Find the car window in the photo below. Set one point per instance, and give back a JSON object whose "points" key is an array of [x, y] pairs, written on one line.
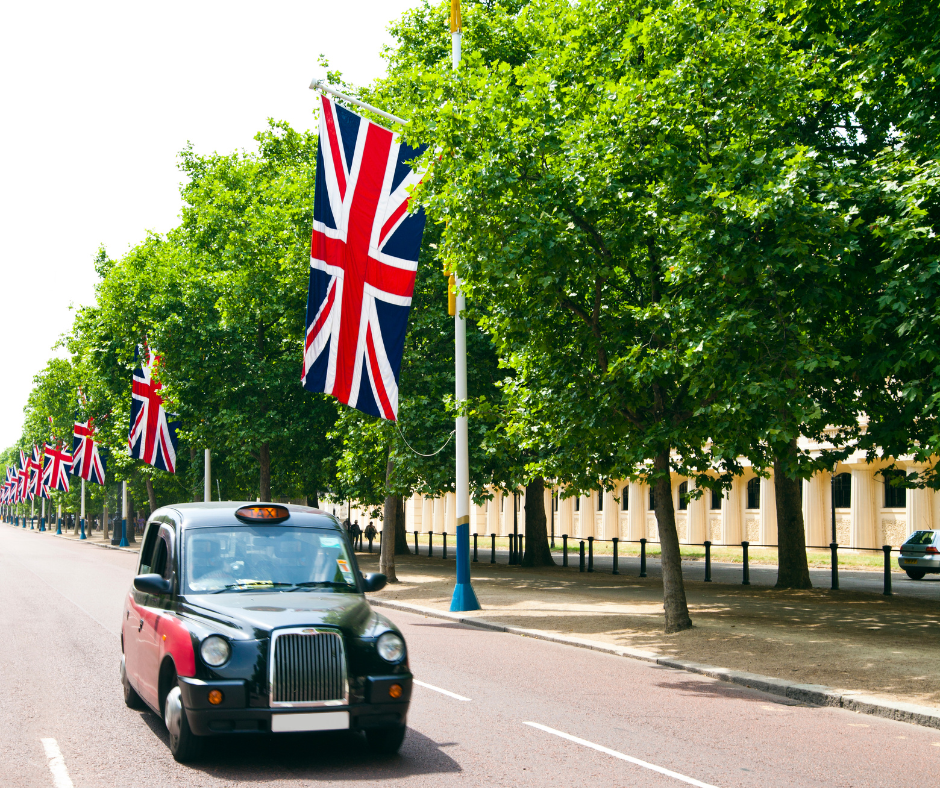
{"points": [[265, 558], [921, 537], [146, 552], [160, 563]]}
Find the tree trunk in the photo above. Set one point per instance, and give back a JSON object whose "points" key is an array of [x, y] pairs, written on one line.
{"points": [[151, 498], [195, 491], [401, 536], [674, 604], [793, 567], [314, 500], [537, 551], [389, 527], [264, 461]]}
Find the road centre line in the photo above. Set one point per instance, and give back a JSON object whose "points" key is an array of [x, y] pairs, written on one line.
{"points": [[621, 756], [60, 775], [449, 694]]}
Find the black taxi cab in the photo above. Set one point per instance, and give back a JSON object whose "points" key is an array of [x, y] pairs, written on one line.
{"points": [[251, 618]]}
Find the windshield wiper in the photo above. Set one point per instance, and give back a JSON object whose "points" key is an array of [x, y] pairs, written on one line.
{"points": [[250, 585], [319, 583]]}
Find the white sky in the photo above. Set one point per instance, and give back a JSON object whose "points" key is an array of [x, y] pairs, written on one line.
{"points": [[98, 99]]}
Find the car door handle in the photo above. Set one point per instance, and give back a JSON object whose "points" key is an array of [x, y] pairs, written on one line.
{"points": [[140, 626]]}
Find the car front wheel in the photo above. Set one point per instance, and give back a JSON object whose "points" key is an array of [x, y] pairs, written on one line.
{"points": [[184, 744], [916, 574], [385, 741]]}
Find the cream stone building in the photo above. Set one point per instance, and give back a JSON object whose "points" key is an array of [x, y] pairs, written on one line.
{"points": [[869, 513]]}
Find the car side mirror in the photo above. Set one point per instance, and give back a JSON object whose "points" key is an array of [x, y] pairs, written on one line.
{"points": [[153, 584], [374, 581]]}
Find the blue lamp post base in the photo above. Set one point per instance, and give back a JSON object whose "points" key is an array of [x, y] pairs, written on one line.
{"points": [[81, 524], [124, 542], [464, 597]]}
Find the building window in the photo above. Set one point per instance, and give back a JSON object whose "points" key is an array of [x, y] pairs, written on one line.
{"points": [[625, 498], [600, 500], [895, 497], [555, 499], [652, 499], [842, 491], [753, 493], [577, 503], [716, 500], [683, 496], [502, 503]]}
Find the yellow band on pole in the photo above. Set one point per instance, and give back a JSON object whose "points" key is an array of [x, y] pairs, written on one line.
{"points": [[455, 22]]}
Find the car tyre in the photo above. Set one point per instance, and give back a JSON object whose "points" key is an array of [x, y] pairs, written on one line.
{"points": [[916, 574], [386, 741], [185, 745], [131, 699]]}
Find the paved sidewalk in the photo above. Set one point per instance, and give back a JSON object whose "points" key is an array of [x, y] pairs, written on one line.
{"points": [[880, 647]]}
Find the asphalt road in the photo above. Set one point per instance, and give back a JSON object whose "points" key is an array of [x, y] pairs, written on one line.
{"points": [[530, 713]]}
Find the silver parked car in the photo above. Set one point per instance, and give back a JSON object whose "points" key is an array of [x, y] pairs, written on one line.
{"points": [[920, 554]]}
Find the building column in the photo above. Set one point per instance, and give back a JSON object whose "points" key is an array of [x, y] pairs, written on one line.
{"points": [[919, 508], [450, 513], [636, 514], [696, 517], [611, 518], [768, 511], [427, 514], [865, 526], [565, 519], [732, 508], [818, 511]]}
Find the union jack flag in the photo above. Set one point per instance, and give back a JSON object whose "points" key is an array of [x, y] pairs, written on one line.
{"points": [[153, 436], [87, 462], [55, 474], [34, 473], [363, 259], [9, 486]]}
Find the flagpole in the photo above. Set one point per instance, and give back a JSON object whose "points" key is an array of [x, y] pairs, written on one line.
{"points": [[464, 597], [81, 519], [207, 487], [124, 542]]}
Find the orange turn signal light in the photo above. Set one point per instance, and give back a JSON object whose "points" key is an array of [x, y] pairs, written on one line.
{"points": [[270, 513], [395, 691], [215, 697]]}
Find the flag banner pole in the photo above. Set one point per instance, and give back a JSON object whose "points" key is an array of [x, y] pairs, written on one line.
{"points": [[322, 86], [124, 542], [207, 487], [81, 519], [464, 597]]}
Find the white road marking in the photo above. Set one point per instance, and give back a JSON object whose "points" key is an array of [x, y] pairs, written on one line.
{"points": [[621, 756], [60, 775], [448, 693]]}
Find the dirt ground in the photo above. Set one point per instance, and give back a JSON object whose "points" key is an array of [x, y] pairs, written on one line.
{"points": [[883, 646]]}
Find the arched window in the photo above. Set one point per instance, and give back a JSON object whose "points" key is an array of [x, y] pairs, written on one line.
{"points": [[652, 499], [842, 491], [753, 493], [895, 497], [625, 498], [600, 500], [716, 500], [683, 496]]}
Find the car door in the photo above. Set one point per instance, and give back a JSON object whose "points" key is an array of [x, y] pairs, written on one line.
{"points": [[133, 608], [148, 641]]}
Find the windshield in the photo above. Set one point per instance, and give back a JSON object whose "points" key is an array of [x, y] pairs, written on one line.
{"points": [[265, 558]]}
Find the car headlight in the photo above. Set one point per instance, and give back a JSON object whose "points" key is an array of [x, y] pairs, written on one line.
{"points": [[391, 647], [215, 651]]}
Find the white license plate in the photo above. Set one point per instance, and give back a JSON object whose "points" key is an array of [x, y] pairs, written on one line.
{"points": [[315, 721]]}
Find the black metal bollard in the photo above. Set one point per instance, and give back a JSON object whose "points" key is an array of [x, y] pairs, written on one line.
{"points": [[581, 565], [834, 547], [708, 561], [887, 551], [521, 548], [616, 571], [746, 581], [492, 548], [564, 549], [370, 544], [642, 558], [416, 542], [430, 543], [444, 534], [512, 549], [474, 548], [590, 554]]}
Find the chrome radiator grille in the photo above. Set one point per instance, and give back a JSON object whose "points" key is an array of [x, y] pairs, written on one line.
{"points": [[308, 668]]}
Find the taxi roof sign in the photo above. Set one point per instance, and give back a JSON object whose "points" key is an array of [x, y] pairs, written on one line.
{"points": [[263, 513]]}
